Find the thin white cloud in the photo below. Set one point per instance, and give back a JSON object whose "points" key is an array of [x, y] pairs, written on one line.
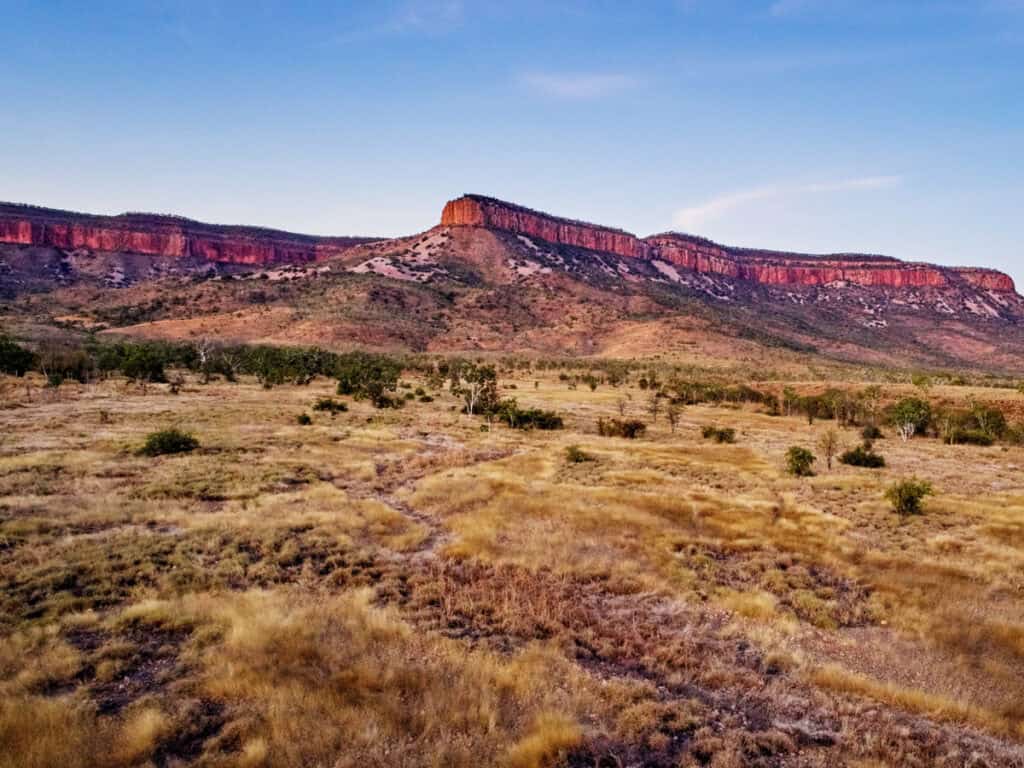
{"points": [[695, 217], [577, 86]]}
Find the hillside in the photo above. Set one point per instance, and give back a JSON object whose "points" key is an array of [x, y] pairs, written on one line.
{"points": [[494, 276]]}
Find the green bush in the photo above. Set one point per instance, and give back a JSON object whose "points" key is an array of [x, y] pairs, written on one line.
{"points": [[906, 496], [143, 363], [426, 399], [631, 429], [799, 461], [509, 412], [15, 359], [911, 410], [303, 419], [363, 375], [575, 455], [871, 432], [330, 405], [168, 441], [969, 437], [989, 421], [719, 434], [863, 456]]}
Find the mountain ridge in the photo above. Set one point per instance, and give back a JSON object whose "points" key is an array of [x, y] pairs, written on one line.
{"points": [[180, 237], [165, 235], [704, 255], [498, 277]]}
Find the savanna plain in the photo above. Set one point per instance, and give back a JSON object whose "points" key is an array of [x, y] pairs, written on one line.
{"points": [[419, 586]]}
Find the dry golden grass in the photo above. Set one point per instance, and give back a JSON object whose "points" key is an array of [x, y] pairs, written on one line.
{"points": [[401, 588]]}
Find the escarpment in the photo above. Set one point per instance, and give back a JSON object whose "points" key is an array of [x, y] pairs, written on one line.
{"points": [[168, 236], [477, 211], [704, 256], [180, 238]]}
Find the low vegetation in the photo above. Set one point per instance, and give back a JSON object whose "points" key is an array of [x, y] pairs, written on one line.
{"points": [[800, 462], [576, 455], [631, 429], [167, 441], [719, 434], [330, 405], [863, 455], [394, 586], [907, 496]]}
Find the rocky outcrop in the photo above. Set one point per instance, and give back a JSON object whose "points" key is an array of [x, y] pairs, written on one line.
{"points": [[771, 268], [704, 256], [168, 236], [180, 238], [987, 279], [477, 211]]}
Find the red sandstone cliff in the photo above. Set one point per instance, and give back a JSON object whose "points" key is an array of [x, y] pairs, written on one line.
{"points": [[176, 237], [168, 236], [700, 255], [478, 211]]}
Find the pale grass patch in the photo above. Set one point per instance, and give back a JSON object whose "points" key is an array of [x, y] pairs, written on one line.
{"points": [[140, 733], [337, 681], [329, 507], [254, 753], [38, 732], [752, 605], [34, 657], [166, 614], [935, 706], [550, 736]]}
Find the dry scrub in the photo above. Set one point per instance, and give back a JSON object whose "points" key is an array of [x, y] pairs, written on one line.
{"points": [[399, 587]]}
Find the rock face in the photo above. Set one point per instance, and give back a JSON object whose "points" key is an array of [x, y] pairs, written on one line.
{"points": [[477, 211], [168, 236], [704, 256], [180, 238]]}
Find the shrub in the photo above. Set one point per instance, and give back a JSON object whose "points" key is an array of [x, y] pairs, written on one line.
{"points": [[969, 437], [363, 375], [575, 455], [426, 399], [906, 496], [829, 445], [863, 456], [871, 432], [799, 461], [303, 419], [509, 412], [989, 421], [718, 434], [477, 385], [330, 405], [912, 410], [628, 428], [168, 441], [1015, 434], [15, 359], [982, 425], [143, 363]]}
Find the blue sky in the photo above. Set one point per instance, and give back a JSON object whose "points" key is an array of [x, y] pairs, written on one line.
{"points": [[820, 125]]}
